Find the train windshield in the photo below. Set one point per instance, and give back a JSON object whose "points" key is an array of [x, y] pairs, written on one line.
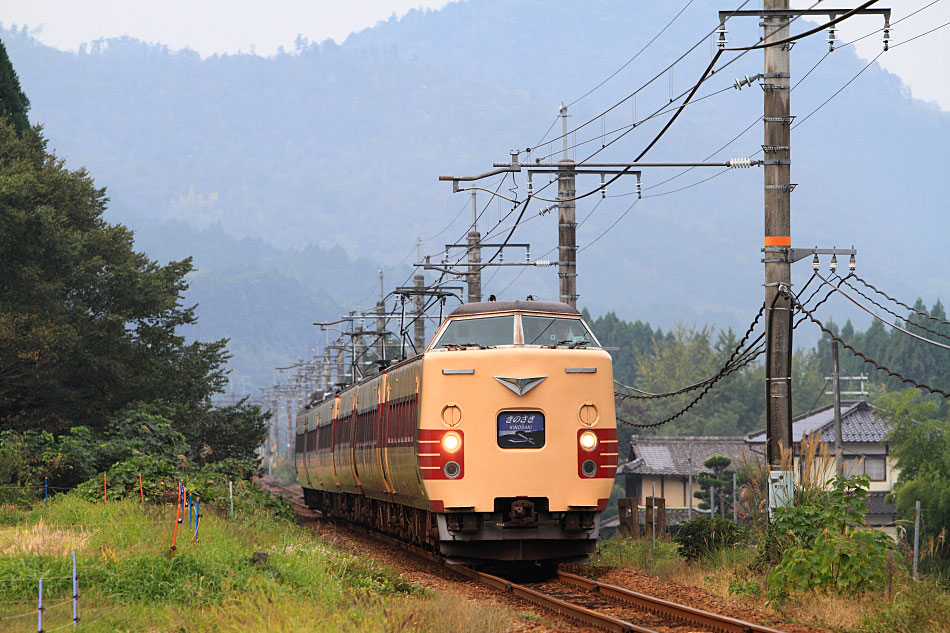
{"points": [[554, 331], [480, 332]]}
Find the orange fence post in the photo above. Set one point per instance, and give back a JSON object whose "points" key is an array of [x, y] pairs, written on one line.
{"points": [[141, 489], [177, 521], [104, 497]]}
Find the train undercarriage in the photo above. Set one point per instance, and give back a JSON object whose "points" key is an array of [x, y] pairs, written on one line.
{"points": [[520, 534]]}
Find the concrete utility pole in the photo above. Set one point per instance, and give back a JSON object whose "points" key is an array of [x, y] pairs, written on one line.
{"points": [[836, 389], [567, 224], [474, 276], [778, 188], [419, 325]]}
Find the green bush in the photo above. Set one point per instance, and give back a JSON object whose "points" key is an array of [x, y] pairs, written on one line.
{"points": [[704, 535], [823, 544], [210, 483]]}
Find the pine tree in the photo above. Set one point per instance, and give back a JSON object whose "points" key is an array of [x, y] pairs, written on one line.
{"points": [[13, 103]]}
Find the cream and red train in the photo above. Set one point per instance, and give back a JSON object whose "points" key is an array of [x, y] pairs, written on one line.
{"points": [[498, 443]]}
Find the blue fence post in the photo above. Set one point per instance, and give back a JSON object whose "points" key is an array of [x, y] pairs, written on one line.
{"points": [[75, 593], [39, 610], [197, 516], [46, 490]]}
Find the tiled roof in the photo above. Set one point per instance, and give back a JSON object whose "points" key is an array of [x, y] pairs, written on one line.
{"points": [[877, 504], [670, 455], [859, 423]]}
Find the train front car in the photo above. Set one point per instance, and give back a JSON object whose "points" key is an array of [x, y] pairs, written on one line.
{"points": [[517, 433]]}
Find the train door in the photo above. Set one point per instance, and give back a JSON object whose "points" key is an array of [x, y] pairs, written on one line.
{"points": [[382, 437]]}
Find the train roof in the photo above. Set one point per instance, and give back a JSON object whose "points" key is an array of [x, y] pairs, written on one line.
{"points": [[487, 307]]}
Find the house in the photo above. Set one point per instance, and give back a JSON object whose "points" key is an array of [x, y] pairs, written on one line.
{"points": [[864, 447], [663, 464]]}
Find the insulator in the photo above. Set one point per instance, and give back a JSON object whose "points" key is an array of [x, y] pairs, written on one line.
{"points": [[887, 36], [831, 39], [740, 163], [639, 191], [530, 184], [722, 41], [815, 265], [603, 188], [852, 264], [833, 266], [542, 263]]}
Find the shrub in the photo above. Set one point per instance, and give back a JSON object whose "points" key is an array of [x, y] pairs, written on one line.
{"points": [[704, 535], [822, 544]]}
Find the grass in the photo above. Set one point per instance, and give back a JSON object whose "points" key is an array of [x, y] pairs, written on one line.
{"points": [[914, 607], [129, 582]]}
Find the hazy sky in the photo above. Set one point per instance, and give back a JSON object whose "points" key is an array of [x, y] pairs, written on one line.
{"points": [[262, 27]]}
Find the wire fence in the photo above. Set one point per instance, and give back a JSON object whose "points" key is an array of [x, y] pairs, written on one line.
{"points": [[184, 521]]}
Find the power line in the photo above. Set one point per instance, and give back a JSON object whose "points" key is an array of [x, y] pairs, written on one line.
{"points": [[632, 59], [900, 303], [892, 313], [926, 6], [885, 321], [838, 91], [642, 87], [715, 377], [811, 317]]}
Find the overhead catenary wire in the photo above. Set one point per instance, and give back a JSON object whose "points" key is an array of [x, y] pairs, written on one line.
{"points": [[642, 87], [891, 26], [632, 59]]}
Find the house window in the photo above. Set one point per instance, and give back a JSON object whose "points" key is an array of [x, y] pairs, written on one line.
{"points": [[875, 467]]}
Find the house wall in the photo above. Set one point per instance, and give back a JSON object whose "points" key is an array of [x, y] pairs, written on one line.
{"points": [[673, 489], [867, 449]]}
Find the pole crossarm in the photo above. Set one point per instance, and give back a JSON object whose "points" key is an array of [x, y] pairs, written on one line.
{"points": [[790, 13], [796, 254]]}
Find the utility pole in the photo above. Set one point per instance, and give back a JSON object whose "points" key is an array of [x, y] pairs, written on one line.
{"points": [[419, 325], [836, 388], [474, 276], [567, 223], [775, 17], [381, 322], [778, 188]]}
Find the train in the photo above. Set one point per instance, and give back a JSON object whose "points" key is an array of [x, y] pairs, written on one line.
{"points": [[495, 444]]}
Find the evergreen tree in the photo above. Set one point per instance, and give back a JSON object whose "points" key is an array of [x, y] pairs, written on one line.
{"points": [[13, 103]]}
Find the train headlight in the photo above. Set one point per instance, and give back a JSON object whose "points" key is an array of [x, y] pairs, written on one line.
{"points": [[588, 440], [451, 441]]}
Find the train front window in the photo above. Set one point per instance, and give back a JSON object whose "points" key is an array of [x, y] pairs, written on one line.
{"points": [[554, 331], [480, 332]]}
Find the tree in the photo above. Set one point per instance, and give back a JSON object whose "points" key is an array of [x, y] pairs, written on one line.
{"points": [[87, 324], [13, 103], [920, 441], [718, 477]]}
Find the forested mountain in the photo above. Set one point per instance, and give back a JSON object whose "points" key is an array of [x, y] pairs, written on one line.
{"points": [[339, 147]]}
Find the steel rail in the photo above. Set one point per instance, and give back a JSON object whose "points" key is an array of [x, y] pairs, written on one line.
{"points": [[561, 607], [667, 608]]}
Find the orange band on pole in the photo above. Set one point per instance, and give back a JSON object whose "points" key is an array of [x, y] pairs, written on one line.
{"points": [[778, 240], [141, 489], [104, 498]]}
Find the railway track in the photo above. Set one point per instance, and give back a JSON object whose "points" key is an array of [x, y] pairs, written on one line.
{"points": [[599, 605]]}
